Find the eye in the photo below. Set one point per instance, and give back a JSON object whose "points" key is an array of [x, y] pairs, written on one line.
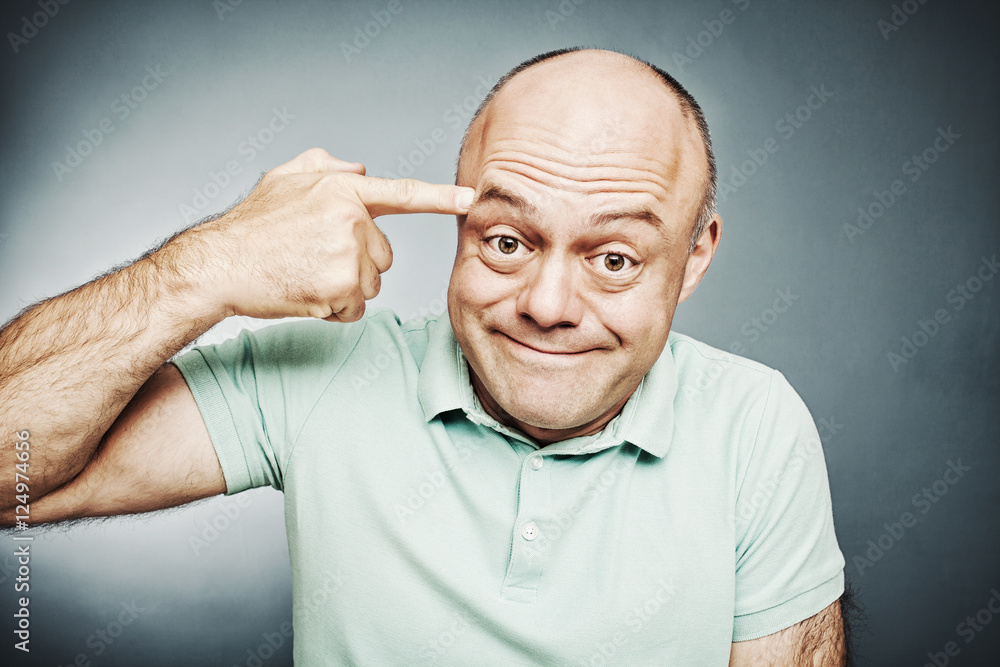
{"points": [[505, 245], [616, 262]]}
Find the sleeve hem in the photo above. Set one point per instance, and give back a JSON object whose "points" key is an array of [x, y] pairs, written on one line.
{"points": [[218, 418], [799, 608]]}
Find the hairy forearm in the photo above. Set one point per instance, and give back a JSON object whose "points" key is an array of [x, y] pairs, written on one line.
{"points": [[69, 365]]}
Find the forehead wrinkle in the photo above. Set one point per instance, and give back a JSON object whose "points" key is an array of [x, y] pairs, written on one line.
{"points": [[612, 180], [552, 150], [567, 166], [548, 140], [495, 194]]}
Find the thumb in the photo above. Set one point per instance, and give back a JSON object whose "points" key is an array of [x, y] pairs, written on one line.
{"points": [[317, 160]]}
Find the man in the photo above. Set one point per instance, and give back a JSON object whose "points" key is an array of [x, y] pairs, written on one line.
{"points": [[546, 476]]}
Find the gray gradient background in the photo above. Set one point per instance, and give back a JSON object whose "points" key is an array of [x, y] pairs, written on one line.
{"points": [[783, 229]]}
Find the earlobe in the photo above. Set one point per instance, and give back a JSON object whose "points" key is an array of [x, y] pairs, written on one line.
{"points": [[700, 258]]}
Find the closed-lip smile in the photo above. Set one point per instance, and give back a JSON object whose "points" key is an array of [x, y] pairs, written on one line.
{"points": [[537, 349]]}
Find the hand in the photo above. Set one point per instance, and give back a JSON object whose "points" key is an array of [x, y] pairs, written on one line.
{"points": [[304, 243]]}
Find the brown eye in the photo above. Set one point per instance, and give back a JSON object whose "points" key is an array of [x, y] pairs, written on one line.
{"points": [[507, 245], [614, 262]]}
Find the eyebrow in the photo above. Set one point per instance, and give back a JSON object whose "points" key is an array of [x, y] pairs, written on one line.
{"points": [[495, 193], [640, 214]]}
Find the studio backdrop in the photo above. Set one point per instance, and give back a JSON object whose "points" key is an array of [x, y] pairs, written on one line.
{"points": [[857, 153]]}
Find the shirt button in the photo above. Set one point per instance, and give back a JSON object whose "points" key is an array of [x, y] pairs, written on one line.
{"points": [[530, 531], [535, 462]]}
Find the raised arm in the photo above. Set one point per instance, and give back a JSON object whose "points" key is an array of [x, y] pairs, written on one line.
{"points": [[815, 642], [111, 429]]}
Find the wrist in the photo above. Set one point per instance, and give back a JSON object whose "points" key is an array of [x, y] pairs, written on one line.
{"points": [[181, 270]]}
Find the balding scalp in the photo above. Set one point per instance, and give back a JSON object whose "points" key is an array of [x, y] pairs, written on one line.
{"points": [[474, 136]]}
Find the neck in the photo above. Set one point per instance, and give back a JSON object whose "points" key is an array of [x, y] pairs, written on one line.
{"points": [[543, 436]]}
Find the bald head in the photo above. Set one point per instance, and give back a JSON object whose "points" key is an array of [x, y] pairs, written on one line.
{"points": [[593, 103]]}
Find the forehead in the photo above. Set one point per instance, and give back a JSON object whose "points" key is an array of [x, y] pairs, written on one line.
{"points": [[599, 128], [598, 215]]}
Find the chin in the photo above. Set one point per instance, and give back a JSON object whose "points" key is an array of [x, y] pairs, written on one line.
{"points": [[546, 407]]}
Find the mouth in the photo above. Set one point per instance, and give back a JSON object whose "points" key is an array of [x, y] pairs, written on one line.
{"points": [[541, 350]]}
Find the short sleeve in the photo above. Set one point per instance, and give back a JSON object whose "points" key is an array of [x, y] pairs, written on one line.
{"points": [[788, 563], [256, 390]]}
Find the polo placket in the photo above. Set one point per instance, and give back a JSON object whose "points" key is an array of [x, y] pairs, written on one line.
{"points": [[529, 542]]}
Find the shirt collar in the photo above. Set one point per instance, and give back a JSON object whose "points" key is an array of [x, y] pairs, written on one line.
{"points": [[646, 420]]}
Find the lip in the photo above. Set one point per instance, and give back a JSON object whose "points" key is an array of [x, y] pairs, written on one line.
{"points": [[560, 353]]}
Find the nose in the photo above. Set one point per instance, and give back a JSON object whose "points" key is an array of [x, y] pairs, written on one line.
{"points": [[551, 294]]}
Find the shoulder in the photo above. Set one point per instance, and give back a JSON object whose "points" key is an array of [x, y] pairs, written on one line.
{"points": [[718, 387], [299, 345], [707, 372]]}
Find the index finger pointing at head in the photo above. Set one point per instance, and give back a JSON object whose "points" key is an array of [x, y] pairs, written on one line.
{"points": [[383, 196]]}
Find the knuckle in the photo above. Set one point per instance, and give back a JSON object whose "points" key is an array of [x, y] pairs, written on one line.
{"points": [[344, 283], [344, 248], [406, 190], [316, 152], [386, 262], [341, 211], [353, 312], [320, 311], [373, 283]]}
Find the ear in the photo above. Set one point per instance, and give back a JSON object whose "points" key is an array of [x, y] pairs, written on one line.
{"points": [[701, 257]]}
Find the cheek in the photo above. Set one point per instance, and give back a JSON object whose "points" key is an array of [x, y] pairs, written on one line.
{"points": [[639, 317], [473, 284]]}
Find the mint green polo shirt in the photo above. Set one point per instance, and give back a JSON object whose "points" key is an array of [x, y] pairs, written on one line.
{"points": [[421, 531]]}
